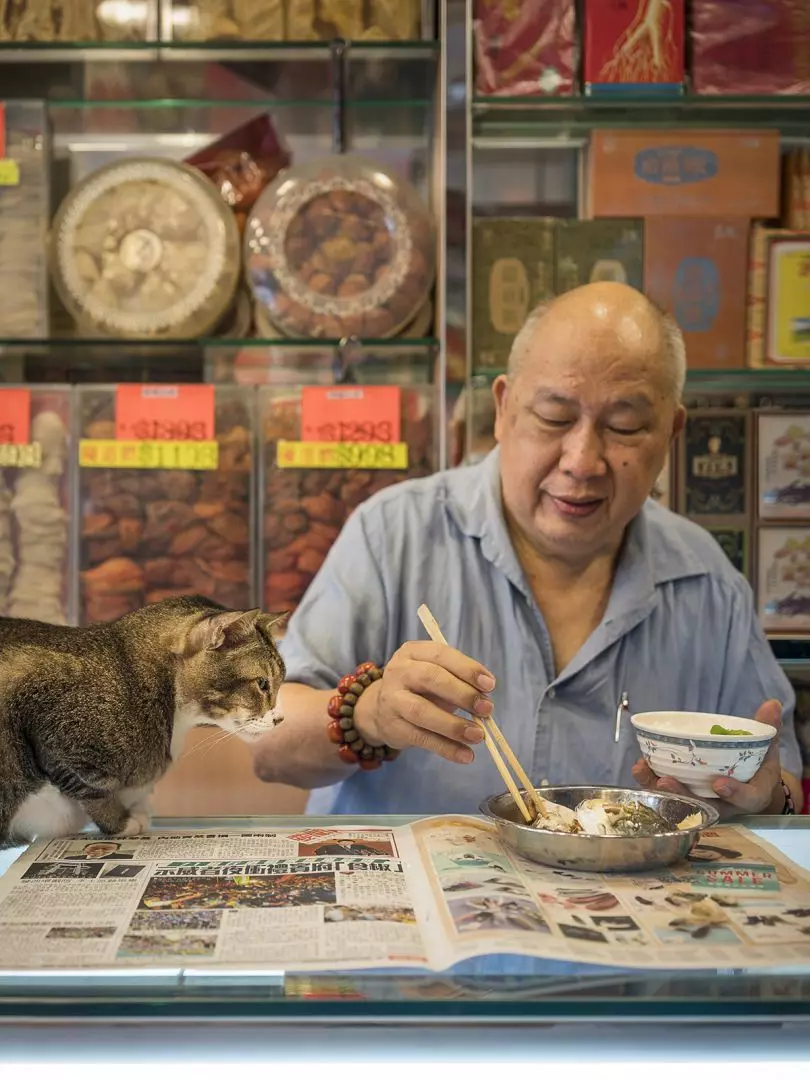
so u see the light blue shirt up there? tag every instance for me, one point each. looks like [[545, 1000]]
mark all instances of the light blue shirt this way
[[680, 632]]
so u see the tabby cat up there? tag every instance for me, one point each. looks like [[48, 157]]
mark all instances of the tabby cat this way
[[91, 718]]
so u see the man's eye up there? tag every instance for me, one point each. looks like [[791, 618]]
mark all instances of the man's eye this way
[[554, 423], [626, 431]]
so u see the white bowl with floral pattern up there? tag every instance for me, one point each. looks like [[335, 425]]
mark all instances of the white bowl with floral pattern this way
[[680, 745]]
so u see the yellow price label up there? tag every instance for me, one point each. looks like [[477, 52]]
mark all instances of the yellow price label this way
[[9, 173], [147, 454], [20, 455], [337, 455]]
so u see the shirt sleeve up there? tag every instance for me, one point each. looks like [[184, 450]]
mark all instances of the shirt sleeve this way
[[342, 620], [752, 675]]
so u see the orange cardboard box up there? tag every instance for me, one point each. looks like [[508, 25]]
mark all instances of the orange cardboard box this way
[[637, 173], [697, 269]]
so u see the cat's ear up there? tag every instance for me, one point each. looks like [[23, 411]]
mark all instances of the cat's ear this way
[[221, 631], [266, 621]]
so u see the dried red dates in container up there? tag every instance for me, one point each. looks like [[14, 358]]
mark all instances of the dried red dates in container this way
[[305, 509], [149, 534], [339, 248]]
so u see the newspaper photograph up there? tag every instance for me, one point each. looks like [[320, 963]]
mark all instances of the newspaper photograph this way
[[426, 896]]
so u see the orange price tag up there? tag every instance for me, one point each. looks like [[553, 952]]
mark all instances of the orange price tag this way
[[368, 414], [15, 417], [164, 413]]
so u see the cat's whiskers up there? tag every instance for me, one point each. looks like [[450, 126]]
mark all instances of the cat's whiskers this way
[[223, 738], [213, 736]]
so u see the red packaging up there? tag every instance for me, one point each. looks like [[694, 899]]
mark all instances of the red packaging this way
[[751, 46], [525, 47], [631, 45]]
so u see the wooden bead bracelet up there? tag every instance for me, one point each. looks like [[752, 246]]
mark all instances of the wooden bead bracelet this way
[[351, 748]]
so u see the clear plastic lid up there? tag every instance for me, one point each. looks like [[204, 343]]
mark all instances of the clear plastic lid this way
[[145, 248], [339, 247]]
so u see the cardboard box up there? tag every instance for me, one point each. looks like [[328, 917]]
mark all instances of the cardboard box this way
[[715, 464], [783, 466], [783, 580], [599, 251], [513, 271], [697, 269], [684, 173], [618, 59], [787, 324]]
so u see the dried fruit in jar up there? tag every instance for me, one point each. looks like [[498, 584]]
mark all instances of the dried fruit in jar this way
[[339, 248]]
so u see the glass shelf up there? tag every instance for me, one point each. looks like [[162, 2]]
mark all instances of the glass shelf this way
[[149, 51], [503, 120]]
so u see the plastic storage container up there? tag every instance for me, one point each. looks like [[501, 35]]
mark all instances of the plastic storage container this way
[[145, 248], [76, 21], [304, 509], [35, 503], [339, 247], [150, 534], [24, 219]]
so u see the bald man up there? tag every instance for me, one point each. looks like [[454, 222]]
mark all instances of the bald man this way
[[556, 578]]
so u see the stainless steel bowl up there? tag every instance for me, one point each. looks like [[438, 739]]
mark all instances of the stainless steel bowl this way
[[600, 854]]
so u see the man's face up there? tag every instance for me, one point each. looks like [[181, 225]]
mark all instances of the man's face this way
[[584, 427], [98, 851]]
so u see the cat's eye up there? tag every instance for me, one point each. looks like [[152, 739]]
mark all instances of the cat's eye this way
[[263, 684]]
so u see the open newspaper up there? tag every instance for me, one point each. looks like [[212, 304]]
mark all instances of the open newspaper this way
[[426, 895]]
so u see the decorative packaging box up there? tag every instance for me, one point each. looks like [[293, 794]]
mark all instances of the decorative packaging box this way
[[703, 173], [783, 580], [528, 48], [609, 250], [697, 268], [766, 336], [513, 270], [166, 496], [783, 452], [734, 540], [715, 464], [750, 46], [634, 46]]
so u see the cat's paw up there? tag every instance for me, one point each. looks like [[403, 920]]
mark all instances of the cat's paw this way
[[138, 822]]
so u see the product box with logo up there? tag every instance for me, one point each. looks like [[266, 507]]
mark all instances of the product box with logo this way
[[783, 579], [697, 173], [715, 465], [634, 46], [783, 474], [513, 271], [777, 324], [697, 268], [609, 250]]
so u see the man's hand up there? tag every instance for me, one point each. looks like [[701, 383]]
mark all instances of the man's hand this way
[[757, 796], [413, 704]]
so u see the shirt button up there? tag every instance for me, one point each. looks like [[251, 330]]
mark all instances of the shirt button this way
[[552, 693], [544, 783]]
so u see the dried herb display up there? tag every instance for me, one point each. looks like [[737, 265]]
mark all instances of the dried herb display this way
[[145, 248], [305, 509], [24, 219], [34, 513], [297, 20], [149, 534], [338, 247], [75, 20]]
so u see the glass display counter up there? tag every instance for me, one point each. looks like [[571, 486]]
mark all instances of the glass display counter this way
[[495, 989]]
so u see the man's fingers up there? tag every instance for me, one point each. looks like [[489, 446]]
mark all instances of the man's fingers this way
[[644, 775], [446, 690], [770, 712], [467, 670], [418, 721]]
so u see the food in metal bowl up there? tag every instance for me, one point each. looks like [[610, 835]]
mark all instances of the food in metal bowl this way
[[606, 817]]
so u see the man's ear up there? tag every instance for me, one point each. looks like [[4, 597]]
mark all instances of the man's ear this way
[[500, 392], [222, 631], [679, 421]]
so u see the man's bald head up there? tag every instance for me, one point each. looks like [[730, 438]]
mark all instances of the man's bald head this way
[[609, 307]]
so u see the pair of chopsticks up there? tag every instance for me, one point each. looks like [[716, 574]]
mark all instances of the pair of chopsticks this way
[[494, 739]]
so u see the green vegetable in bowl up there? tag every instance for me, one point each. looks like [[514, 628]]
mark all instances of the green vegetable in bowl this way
[[718, 729]]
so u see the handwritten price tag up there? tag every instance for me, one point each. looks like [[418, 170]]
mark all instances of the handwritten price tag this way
[[363, 414], [15, 416], [147, 454], [334, 455], [164, 413]]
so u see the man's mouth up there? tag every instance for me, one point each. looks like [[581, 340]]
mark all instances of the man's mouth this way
[[575, 508]]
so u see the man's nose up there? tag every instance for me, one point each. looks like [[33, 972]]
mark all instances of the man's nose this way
[[583, 453]]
